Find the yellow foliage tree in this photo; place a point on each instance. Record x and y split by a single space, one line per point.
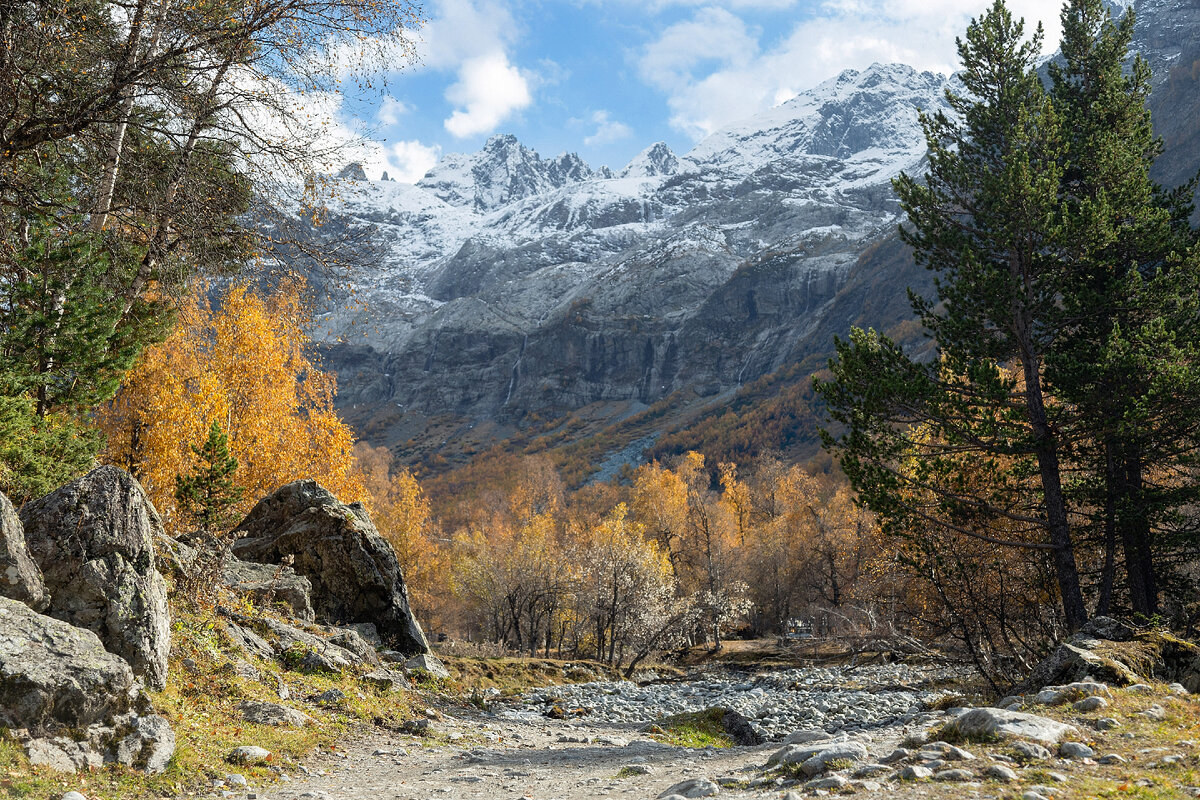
240 361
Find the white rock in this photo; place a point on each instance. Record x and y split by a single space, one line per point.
248 755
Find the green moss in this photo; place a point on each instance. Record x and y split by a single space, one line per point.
698 729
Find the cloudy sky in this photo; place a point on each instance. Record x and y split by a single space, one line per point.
606 78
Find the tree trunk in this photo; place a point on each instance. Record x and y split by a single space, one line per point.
1046 449
1135 538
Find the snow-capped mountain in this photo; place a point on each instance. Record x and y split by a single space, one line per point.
509 285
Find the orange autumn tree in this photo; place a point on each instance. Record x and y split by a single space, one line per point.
238 360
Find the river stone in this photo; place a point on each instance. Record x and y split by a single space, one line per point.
20 576
354 572
271 583
989 723
54 675
94 541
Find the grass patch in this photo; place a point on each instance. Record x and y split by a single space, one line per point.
698 729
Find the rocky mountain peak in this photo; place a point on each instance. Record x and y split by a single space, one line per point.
504 171
655 160
872 112
352 172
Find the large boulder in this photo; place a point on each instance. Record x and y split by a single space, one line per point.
1131 657
354 573
20 576
94 541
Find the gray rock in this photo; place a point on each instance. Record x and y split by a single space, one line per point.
832 783
955 775
142 742
427 662
988 723
273 714
1075 750
999 772
915 773
899 754
56 676
1111 758
814 757
1030 751
20 576
349 639
1154 712
806 736
1141 688
248 641
1073 661
637 769
387 679
1091 704
313 652
73 796
271 583
696 787
353 570
1107 723
94 541
235 779
146 743
244 669
248 754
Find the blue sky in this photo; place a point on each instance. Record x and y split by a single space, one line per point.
606 78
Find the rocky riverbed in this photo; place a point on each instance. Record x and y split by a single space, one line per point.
775 703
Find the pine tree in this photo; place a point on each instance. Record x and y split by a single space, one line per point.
1126 354
209 495
985 218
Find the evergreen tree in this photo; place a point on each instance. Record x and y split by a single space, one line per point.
985 217
208 496
1127 350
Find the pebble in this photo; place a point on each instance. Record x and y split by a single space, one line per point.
1107 723
1111 758
916 773
236 779
1030 751
1154 712
73 796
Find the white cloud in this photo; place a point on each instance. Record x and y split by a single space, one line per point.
489 90
391 110
406 161
715 69
608 130
473 38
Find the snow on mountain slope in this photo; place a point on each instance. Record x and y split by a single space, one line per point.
509 285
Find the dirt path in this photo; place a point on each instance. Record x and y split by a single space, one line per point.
481 757
500 758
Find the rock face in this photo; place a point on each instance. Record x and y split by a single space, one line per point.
94 541
353 570
20 577
54 675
